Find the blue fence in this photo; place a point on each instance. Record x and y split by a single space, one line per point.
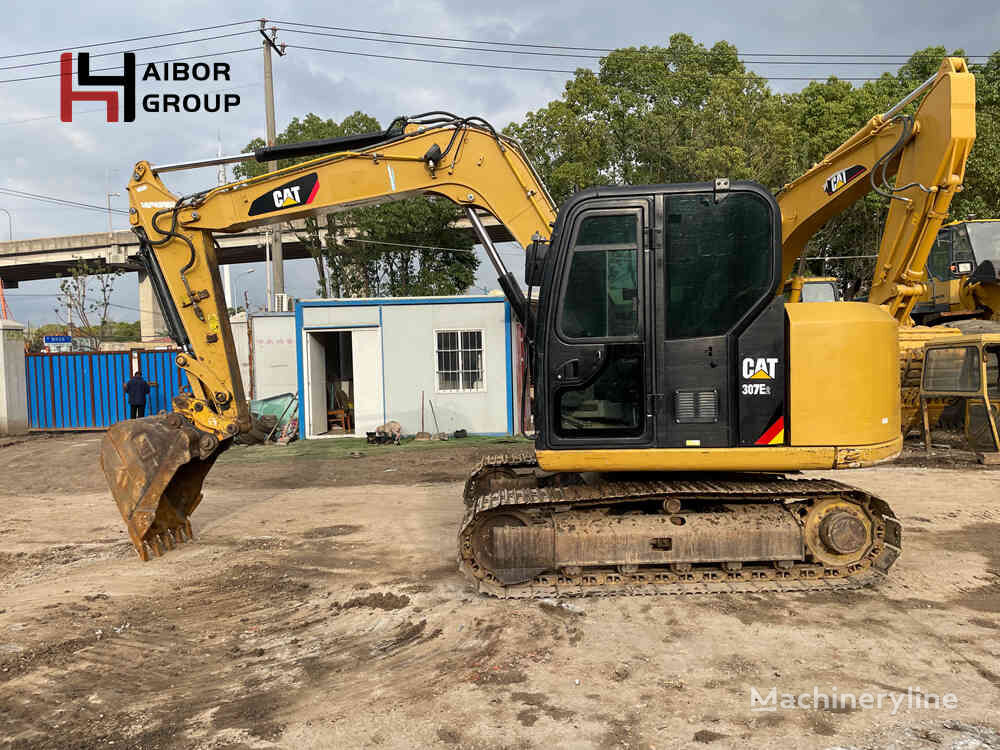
165 378
84 390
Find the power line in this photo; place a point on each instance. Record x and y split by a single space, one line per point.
155 62
74 47
408 246
569 54
58 201
425 60
591 49
136 49
748 77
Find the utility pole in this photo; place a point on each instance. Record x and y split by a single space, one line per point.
10 223
227 282
277 257
110 196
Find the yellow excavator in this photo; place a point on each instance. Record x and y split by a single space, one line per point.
675 390
926 152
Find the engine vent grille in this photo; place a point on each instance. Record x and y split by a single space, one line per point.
692 405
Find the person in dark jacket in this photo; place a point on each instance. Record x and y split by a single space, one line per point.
137 389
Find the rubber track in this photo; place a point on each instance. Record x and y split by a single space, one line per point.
704 579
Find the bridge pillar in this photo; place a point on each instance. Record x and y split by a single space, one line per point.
151 325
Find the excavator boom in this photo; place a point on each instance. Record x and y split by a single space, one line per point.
156 466
926 152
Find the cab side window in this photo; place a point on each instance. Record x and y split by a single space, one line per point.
719 262
940 257
601 303
601 300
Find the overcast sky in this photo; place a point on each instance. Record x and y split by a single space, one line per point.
88 158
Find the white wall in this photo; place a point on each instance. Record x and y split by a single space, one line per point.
274 367
13 380
238 323
314 402
340 315
409 361
410 367
366 350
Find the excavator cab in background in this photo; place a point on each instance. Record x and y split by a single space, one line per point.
967 369
813 289
963 274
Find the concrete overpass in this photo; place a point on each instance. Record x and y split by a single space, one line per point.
52 257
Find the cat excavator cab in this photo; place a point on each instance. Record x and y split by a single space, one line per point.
674 387
963 276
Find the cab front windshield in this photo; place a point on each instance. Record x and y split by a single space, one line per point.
819 291
978 239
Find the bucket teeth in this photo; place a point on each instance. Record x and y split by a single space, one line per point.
158 543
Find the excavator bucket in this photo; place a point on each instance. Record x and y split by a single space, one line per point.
155 468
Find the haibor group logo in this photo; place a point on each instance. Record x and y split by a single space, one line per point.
118 92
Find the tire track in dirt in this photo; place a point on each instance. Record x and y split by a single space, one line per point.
234 653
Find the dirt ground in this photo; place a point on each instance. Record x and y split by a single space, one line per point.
320 606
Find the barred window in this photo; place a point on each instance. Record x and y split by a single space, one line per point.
460 361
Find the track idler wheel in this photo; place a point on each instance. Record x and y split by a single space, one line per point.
155 469
839 532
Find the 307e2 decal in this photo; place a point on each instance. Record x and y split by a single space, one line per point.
760 370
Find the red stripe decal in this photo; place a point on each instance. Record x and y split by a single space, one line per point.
313 193
771 431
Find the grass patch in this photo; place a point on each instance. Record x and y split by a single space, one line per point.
332 449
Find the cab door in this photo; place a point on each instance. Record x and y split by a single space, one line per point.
943 287
596 363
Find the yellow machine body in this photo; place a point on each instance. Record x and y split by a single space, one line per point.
844 403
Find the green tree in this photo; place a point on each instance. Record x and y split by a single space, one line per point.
36 339
688 112
84 300
115 331
379 250
409 266
660 114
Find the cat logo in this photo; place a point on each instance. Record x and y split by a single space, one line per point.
839 179
299 192
759 368
287 197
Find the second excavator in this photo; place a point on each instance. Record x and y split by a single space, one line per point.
926 152
676 393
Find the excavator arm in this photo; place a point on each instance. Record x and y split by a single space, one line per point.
926 152
156 466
